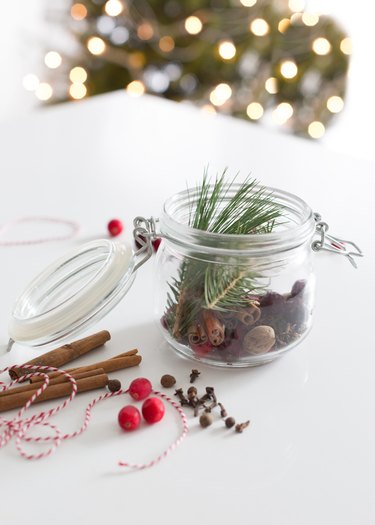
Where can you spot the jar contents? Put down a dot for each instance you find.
(269, 323)
(225, 309)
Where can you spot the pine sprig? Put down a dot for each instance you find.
(252, 209)
(228, 288)
(201, 285)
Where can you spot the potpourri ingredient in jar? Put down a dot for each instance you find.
(259, 340)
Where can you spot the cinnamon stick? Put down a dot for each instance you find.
(53, 392)
(196, 334)
(64, 354)
(214, 327)
(110, 365)
(61, 378)
(249, 316)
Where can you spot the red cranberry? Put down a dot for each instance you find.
(155, 243)
(115, 227)
(140, 388)
(153, 410)
(129, 418)
(202, 349)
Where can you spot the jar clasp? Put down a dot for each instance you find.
(334, 244)
(144, 233)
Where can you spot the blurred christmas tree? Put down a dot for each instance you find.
(248, 58)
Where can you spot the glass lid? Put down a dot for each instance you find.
(73, 292)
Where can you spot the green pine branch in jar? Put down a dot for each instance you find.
(204, 292)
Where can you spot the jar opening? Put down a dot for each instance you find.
(294, 229)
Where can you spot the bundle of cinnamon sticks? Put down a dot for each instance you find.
(88, 377)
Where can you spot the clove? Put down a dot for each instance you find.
(180, 394)
(223, 412)
(194, 375)
(240, 427)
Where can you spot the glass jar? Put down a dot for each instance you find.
(235, 300)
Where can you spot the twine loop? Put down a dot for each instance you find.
(21, 427)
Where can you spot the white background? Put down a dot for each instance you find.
(25, 35)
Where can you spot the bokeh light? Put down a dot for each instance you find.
(220, 94)
(321, 46)
(53, 59)
(227, 50)
(282, 113)
(288, 69)
(96, 45)
(316, 129)
(255, 110)
(136, 88)
(346, 46)
(44, 91)
(166, 44)
(193, 25)
(113, 7)
(310, 19)
(145, 31)
(78, 75)
(78, 11)
(335, 104)
(259, 27)
(77, 91)
(271, 85)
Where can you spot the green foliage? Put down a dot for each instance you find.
(220, 208)
(190, 67)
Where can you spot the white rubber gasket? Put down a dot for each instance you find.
(89, 278)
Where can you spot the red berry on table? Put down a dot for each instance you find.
(115, 227)
(140, 388)
(153, 410)
(129, 418)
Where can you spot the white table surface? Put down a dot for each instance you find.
(308, 457)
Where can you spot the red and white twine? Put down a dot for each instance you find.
(72, 225)
(19, 426)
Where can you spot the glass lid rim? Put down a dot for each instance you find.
(74, 309)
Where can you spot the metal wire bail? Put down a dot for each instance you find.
(144, 233)
(333, 244)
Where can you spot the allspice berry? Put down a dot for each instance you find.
(114, 385)
(230, 422)
(206, 420)
(259, 340)
(167, 381)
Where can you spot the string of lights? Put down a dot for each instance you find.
(263, 60)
